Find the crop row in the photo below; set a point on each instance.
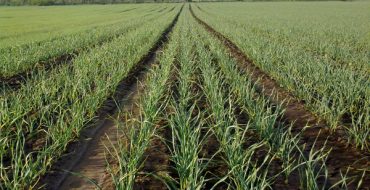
(341, 44)
(336, 93)
(18, 59)
(209, 98)
(240, 92)
(223, 133)
(42, 24)
(38, 123)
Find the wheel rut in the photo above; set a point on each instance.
(342, 155)
(84, 165)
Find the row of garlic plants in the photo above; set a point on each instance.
(337, 94)
(18, 59)
(129, 154)
(224, 87)
(186, 120)
(55, 110)
(262, 118)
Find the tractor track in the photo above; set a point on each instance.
(87, 156)
(343, 156)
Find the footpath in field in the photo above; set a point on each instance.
(86, 167)
(342, 156)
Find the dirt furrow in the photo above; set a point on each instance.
(157, 161)
(85, 160)
(157, 155)
(342, 155)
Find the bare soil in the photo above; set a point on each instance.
(157, 161)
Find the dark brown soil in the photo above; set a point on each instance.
(92, 164)
(342, 155)
(87, 156)
(157, 161)
(157, 164)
